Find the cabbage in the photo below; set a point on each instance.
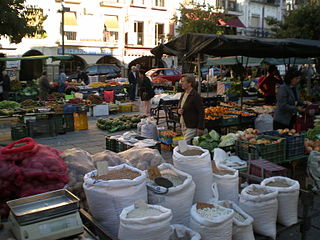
(228, 140)
(208, 145)
(195, 141)
(214, 135)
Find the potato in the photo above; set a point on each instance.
(308, 149)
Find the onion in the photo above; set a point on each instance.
(308, 149)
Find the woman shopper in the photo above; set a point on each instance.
(190, 108)
(146, 91)
(288, 101)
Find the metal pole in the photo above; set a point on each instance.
(199, 74)
(62, 29)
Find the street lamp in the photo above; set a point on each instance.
(62, 11)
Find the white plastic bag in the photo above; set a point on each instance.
(264, 122)
(145, 228)
(228, 184)
(142, 158)
(241, 229)
(112, 158)
(106, 199)
(149, 130)
(262, 208)
(179, 199)
(181, 232)
(288, 199)
(220, 228)
(199, 167)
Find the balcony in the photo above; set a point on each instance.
(257, 32)
(112, 3)
(268, 2)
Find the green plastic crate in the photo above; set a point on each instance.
(18, 132)
(59, 123)
(224, 122)
(68, 122)
(275, 152)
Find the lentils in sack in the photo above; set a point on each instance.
(123, 173)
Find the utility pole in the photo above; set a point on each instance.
(62, 11)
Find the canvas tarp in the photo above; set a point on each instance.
(190, 44)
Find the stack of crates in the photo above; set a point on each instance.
(80, 121)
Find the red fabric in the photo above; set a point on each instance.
(232, 22)
(268, 85)
(30, 169)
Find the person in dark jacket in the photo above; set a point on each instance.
(288, 101)
(133, 79)
(44, 86)
(190, 108)
(146, 91)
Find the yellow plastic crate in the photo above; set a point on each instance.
(125, 108)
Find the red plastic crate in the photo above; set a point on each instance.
(264, 169)
(312, 109)
(303, 123)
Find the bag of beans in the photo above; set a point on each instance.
(145, 223)
(181, 232)
(108, 194)
(227, 180)
(242, 222)
(179, 197)
(262, 205)
(212, 221)
(196, 161)
(288, 198)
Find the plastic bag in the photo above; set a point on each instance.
(241, 229)
(264, 123)
(219, 228)
(288, 199)
(228, 184)
(142, 158)
(108, 96)
(112, 158)
(106, 199)
(149, 130)
(145, 228)
(199, 167)
(179, 199)
(262, 207)
(181, 232)
(79, 163)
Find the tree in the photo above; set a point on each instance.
(199, 18)
(18, 20)
(302, 22)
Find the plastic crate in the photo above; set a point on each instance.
(294, 144)
(230, 121)
(312, 109)
(117, 146)
(80, 121)
(68, 122)
(125, 108)
(264, 169)
(59, 123)
(41, 128)
(275, 152)
(18, 132)
(247, 119)
(70, 108)
(212, 124)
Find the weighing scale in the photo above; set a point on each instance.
(49, 216)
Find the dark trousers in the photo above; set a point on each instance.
(277, 125)
(270, 100)
(132, 91)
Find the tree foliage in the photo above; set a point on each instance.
(302, 22)
(199, 18)
(18, 20)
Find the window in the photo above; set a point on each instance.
(255, 21)
(70, 18)
(159, 33)
(111, 29)
(137, 2)
(138, 29)
(71, 35)
(159, 3)
(169, 72)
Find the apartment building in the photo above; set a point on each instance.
(120, 32)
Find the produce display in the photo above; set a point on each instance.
(311, 145)
(314, 133)
(207, 141)
(220, 112)
(76, 101)
(94, 99)
(120, 123)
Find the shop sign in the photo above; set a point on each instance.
(13, 64)
(88, 51)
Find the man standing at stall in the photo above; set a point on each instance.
(133, 76)
(44, 86)
(268, 83)
(190, 108)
